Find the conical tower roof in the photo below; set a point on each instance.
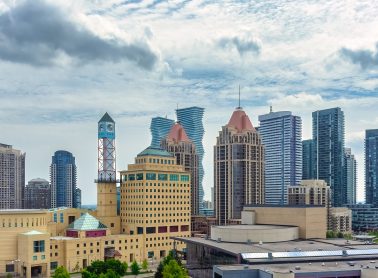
(240, 121)
(106, 118)
(177, 133)
(86, 222)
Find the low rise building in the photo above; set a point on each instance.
(364, 217)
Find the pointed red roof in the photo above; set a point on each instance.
(178, 134)
(240, 121)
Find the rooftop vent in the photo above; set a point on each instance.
(297, 267)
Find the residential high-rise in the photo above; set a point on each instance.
(78, 197)
(37, 194)
(238, 168)
(63, 180)
(308, 160)
(106, 176)
(191, 119)
(12, 177)
(350, 174)
(310, 192)
(178, 143)
(155, 201)
(281, 134)
(159, 130)
(371, 167)
(328, 135)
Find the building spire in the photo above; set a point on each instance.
(239, 107)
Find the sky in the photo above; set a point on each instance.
(64, 63)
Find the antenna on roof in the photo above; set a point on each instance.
(271, 109)
(239, 98)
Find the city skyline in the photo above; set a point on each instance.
(49, 97)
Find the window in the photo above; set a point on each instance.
(55, 217)
(53, 265)
(39, 246)
(150, 176)
(61, 217)
(34, 258)
(162, 177)
(173, 177)
(139, 176)
(132, 177)
(9, 268)
(139, 230)
(150, 254)
(150, 230)
(43, 257)
(184, 177)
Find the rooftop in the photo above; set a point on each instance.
(22, 211)
(86, 222)
(106, 118)
(151, 151)
(177, 133)
(240, 121)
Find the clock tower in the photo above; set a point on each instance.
(106, 177)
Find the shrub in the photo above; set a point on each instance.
(135, 268)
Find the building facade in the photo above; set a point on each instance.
(178, 143)
(350, 174)
(12, 177)
(37, 194)
(308, 160)
(160, 128)
(155, 201)
(191, 119)
(281, 134)
(238, 168)
(328, 135)
(364, 217)
(310, 192)
(63, 180)
(371, 166)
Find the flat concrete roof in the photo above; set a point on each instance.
(253, 227)
(22, 211)
(305, 267)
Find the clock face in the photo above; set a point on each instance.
(109, 128)
(101, 128)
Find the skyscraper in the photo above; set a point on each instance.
(350, 174)
(328, 135)
(63, 180)
(238, 168)
(371, 167)
(308, 160)
(178, 143)
(12, 177)
(37, 194)
(159, 129)
(191, 119)
(281, 134)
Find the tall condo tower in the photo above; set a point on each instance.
(350, 174)
(178, 143)
(371, 166)
(238, 168)
(281, 134)
(106, 179)
(308, 160)
(328, 135)
(191, 119)
(63, 180)
(12, 177)
(159, 130)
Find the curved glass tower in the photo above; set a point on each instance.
(191, 119)
(159, 130)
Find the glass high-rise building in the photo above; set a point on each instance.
(191, 119)
(12, 177)
(350, 174)
(371, 167)
(308, 160)
(329, 139)
(63, 180)
(159, 130)
(281, 134)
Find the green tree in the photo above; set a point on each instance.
(125, 266)
(340, 235)
(97, 267)
(86, 274)
(61, 272)
(174, 270)
(116, 266)
(135, 268)
(159, 270)
(145, 265)
(110, 273)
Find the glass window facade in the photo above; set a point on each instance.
(139, 176)
(150, 176)
(162, 177)
(173, 177)
(38, 246)
(184, 177)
